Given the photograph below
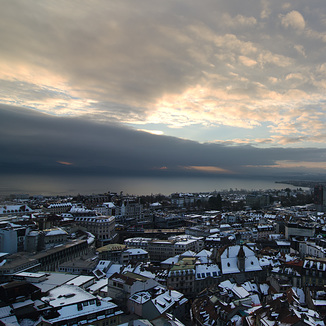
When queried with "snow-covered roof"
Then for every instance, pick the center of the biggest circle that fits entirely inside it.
(166, 300)
(265, 261)
(66, 295)
(240, 291)
(10, 320)
(137, 251)
(72, 311)
(25, 303)
(204, 253)
(139, 270)
(250, 287)
(264, 288)
(98, 285)
(283, 243)
(255, 301)
(54, 232)
(80, 280)
(96, 219)
(188, 253)
(114, 268)
(171, 260)
(155, 204)
(109, 204)
(5, 311)
(141, 297)
(56, 205)
(14, 209)
(229, 260)
(203, 271)
(103, 264)
(229, 266)
(54, 280)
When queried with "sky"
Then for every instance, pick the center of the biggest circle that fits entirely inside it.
(163, 89)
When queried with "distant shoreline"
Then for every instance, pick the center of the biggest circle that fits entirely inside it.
(302, 183)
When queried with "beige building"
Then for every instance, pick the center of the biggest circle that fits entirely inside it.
(181, 276)
(160, 250)
(54, 237)
(102, 227)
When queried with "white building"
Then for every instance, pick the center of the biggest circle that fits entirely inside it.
(310, 249)
(15, 210)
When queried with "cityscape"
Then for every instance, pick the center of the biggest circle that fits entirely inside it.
(162, 163)
(235, 257)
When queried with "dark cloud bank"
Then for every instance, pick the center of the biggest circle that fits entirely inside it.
(35, 144)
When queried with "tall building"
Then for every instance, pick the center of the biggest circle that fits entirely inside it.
(320, 197)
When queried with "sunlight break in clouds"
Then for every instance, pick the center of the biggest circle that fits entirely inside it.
(65, 163)
(154, 132)
(287, 164)
(210, 169)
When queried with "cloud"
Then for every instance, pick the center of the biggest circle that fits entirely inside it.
(247, 61)
(31, 144)
(173, 63)
(294, 19)
(265, 11)
(239, 21)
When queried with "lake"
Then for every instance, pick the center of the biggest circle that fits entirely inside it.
(131, 185)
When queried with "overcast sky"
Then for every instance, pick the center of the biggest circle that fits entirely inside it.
(164, 88)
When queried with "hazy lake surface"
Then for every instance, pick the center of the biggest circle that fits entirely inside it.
(131, 185)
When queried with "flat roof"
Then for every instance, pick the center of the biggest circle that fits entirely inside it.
(54, 280)
(66, 295)
(80, 280)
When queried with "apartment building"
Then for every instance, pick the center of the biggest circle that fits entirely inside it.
(160, 250)
(129, 211)
(299, 229)
(264, 230)
(58, 208)
(185, 243)
(181, 277)
(76, 306)
(103, 227)
(311, 249)
(16, 210)
(138, 242)
(314, 271)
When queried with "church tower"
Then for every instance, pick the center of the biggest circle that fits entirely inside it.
(241, 259)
